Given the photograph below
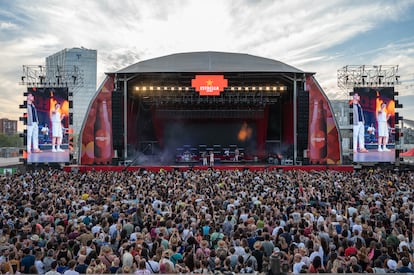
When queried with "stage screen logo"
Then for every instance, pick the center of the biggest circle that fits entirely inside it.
(209, 85)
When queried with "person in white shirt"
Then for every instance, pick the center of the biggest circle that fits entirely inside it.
(382, 118)
(57, 130)
(298, 263)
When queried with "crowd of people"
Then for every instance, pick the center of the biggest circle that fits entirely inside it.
(208, 221)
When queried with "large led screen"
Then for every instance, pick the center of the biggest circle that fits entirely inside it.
(373, 122)
(47, 125)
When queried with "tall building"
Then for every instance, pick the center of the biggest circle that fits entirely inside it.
(7, 126)
(86, 61)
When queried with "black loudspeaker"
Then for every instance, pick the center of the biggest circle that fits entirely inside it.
(303, 122)
(117, 120)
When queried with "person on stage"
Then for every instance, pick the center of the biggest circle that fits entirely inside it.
(236, 154)
(211, 158)
(204, 157)
(358, 125)
(45, 132)
(32, 125)
(57, 129)
(382, 118)
(371, 131)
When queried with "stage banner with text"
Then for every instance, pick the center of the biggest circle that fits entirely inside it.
(324, 142)
(96, 136)
(209, 85)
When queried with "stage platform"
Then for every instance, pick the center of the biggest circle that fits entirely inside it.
(157, 168)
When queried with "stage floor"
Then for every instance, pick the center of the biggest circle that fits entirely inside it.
(184, 167)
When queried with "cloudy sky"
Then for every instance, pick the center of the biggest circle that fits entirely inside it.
(319, 36)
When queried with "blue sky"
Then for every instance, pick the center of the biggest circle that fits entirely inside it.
(319, 36)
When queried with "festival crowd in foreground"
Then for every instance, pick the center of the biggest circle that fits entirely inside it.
(54, 222)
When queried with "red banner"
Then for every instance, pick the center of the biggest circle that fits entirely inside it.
(209, 85)
(324, 143)
(97, 130)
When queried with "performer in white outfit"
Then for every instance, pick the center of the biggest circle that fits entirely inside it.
(57, 130)
(211, 158)
(358, 125)
(382, 118)
(32, 125)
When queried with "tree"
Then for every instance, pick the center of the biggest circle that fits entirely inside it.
(11, 140)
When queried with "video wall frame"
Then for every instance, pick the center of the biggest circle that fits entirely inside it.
(373, 124)
(48, 132)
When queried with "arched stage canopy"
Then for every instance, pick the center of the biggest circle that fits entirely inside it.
(209, 62)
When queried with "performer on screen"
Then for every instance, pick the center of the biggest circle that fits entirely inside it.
(382, 118)
(358, 125)
(57, 129)
(32, 125)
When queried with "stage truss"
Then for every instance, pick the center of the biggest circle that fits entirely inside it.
(351, 76)
(52, 76)
(372, 76)
(188, 95)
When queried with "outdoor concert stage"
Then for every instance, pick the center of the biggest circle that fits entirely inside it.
(183, 108)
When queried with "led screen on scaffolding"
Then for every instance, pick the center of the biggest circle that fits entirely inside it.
(373, 120)
(47, 125)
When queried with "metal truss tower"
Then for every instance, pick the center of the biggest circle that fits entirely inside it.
(52, 76)
(352, 76)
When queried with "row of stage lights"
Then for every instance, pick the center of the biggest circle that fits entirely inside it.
(232, 88)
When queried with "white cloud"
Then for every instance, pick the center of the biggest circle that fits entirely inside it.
(7, 26)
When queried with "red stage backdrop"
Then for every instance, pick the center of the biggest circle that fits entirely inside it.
(324, 142)
(96, 135)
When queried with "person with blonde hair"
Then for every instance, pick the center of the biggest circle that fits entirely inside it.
(382, 118)
(57, 129)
